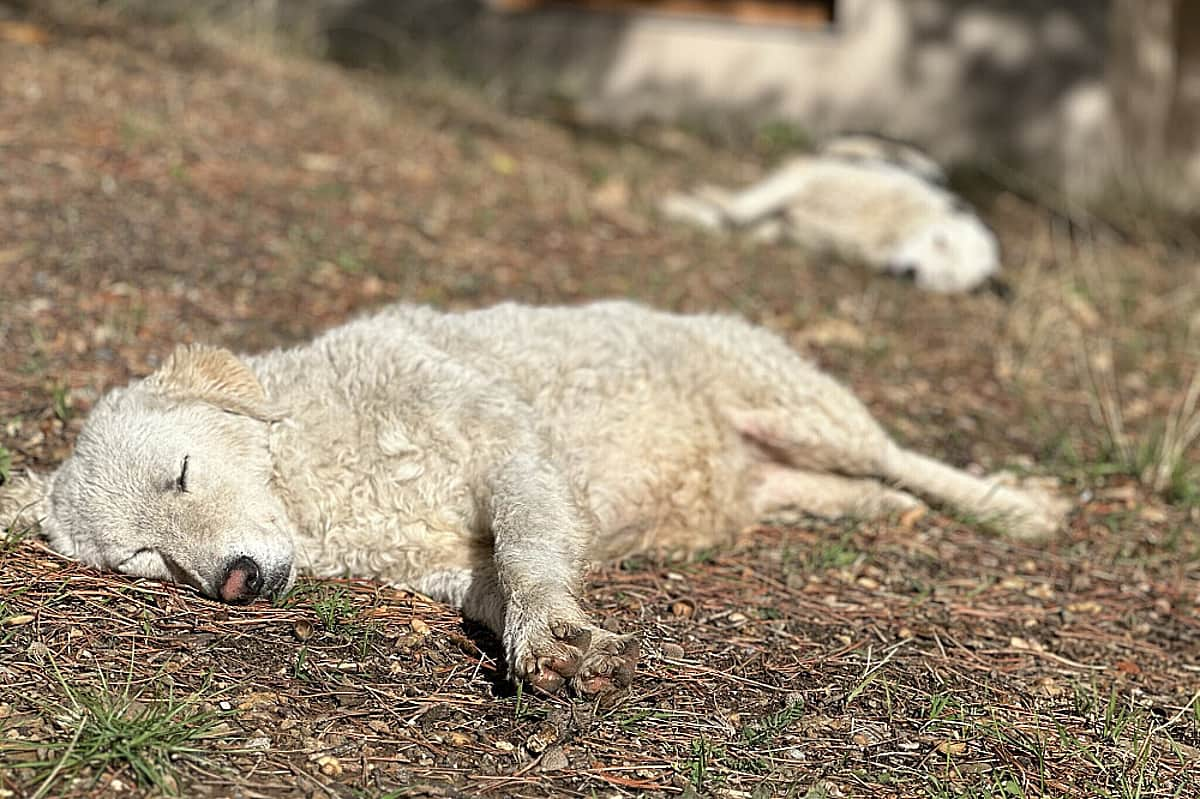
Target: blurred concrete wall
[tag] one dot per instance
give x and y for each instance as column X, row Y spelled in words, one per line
column 1022, row 82
column 1007, row 79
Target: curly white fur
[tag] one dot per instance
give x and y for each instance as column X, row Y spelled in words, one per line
column 483, row 458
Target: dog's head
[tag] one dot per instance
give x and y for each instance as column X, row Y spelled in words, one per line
column 954, row 253
column 171, row 479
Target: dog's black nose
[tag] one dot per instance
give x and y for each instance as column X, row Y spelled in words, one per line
column 242, row 582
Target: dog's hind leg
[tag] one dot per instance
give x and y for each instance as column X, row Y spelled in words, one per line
column 768, row 196
column 835, row 434
column 1020, row 512
column 827, row 495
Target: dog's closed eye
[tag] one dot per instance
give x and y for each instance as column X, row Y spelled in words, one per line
column 146, row 562
column 181, row 481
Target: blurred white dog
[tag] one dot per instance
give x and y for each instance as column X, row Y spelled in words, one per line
column 860, row 199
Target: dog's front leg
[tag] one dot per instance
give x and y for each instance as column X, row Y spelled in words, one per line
column 540, row 535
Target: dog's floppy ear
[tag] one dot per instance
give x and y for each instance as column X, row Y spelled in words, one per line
column 213, row 375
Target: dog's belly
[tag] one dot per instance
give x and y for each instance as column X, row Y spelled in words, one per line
column 662, row 471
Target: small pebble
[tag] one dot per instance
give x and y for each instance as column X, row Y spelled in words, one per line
column 951, row 747
column 672, row 651
column 555, row 759
column 303, row 630
column 542, row 737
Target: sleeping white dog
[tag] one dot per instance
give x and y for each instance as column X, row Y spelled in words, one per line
column 481, row 458
column 864, row 200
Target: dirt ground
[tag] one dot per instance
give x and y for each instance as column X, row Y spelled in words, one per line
column 162, row 184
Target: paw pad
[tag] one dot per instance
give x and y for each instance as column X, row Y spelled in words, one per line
column 594, row 662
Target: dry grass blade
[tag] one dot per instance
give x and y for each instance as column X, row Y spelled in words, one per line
column 1181, row 432
column 1095, row 363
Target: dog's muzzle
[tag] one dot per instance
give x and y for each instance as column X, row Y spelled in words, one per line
column 244, row 580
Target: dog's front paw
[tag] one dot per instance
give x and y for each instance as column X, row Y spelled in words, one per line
column 608, row 665
column 593, row 662
column 548, row 660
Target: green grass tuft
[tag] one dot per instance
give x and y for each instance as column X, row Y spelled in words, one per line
column 773, row 725
column 335, row 610
column 105, row 729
